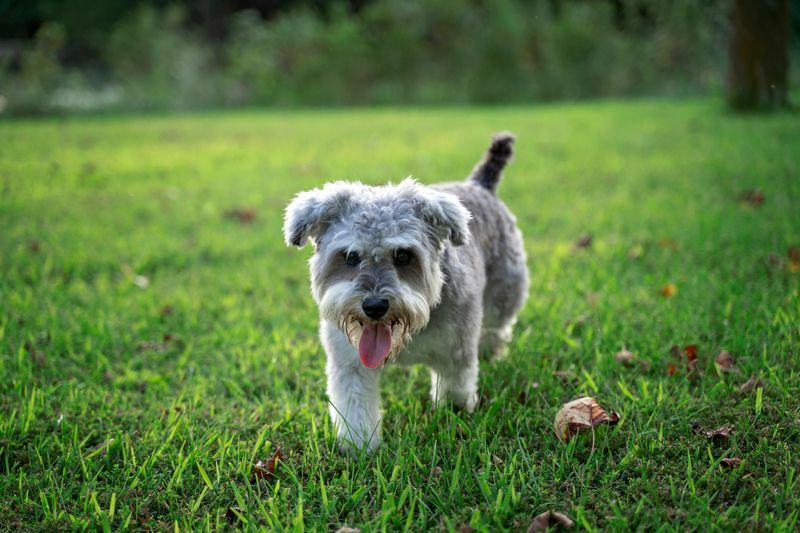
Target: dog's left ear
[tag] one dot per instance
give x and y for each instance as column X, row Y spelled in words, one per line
column 310, row 212
column 447, row 216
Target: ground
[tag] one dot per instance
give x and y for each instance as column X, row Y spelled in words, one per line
column 157, row 338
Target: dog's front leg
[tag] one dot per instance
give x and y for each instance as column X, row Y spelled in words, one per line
column 353, row 392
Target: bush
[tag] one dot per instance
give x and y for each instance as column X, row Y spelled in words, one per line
column 390, row 52
column 158, row 63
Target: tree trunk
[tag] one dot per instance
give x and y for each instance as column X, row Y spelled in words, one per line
column 758, row 76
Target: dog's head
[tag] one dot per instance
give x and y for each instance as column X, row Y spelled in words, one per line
column 376, row 265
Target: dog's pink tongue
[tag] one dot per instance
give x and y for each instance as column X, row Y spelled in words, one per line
column 375, row 343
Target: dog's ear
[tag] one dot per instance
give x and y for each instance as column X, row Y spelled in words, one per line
column 446, row 215
column 309, row 212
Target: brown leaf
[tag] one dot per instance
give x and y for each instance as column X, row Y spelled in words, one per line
column 794, row 259
column 688, row 358
column 565, row 376
column 750, row 384
column 243, row 216
column 548, row 518
column 668, row 290
column 496, row 461
column 720, row 433
column 583, row 242
column 725, row 362
column 636, row 251
column 466, row 528
column 730, row 462
column 34, row 246
column 266, row 469
column 625, row 358
column 752, row 198
column 583, row 413
column 668, row 243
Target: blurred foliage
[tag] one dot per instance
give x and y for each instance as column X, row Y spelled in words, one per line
column 385, row 52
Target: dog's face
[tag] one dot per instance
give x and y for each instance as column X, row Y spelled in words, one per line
column 376, row 265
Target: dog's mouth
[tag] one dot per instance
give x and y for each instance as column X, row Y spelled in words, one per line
column 376, row 340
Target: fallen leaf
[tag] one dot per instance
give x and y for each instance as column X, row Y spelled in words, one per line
column 565, row 376
column 496, row 461
column 141, row 281
column 688, row 358
column 671, row 369
column 668, row 243
column 720, row 433
column 266, row 469
column 583, row 413
column 725, row 362
column 34, row 247
column 750, row 384
column 583, row 242
column 348, row 529
column 730, row 462
column 437, row 471
column 625, row 357
column 243, row 216
column 752, row 198
column 466, row 528
column 794, row 259
column 668, row 290
column 548, row 518
column 636, row 251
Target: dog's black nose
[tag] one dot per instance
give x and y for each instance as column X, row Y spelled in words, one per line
column 375, row 307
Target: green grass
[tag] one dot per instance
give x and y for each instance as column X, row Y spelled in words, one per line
column 123, row 406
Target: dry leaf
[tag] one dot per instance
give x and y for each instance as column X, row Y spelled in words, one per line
column 671, row 369
column 266, row 469
column 750, row 384
column 34, row 247
column 794, row 259
column 583, row 413
column 348, row 529
column 141, row 281
column 548, row 518
column 720, row 434
column 466, row 528
column 668, row 290
column 566, row 377
column 725, row 362
column 752, row 198
column 668, row 243
column 636, row 251
column 583, row 242
column 243, row 216
column 625, row 358
column 730, row 462
column 496, row 461
column 687, row 356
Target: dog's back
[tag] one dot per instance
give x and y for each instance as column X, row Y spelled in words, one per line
column 493, row 230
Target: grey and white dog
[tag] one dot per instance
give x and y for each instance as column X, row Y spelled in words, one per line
column 410, row 274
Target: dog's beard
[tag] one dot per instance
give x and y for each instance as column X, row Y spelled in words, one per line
column 408, row 314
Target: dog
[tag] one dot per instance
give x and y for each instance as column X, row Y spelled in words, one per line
column 409, row 274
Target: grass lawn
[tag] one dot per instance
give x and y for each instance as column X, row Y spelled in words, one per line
column 157, row 338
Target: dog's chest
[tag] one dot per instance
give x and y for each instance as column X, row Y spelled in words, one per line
column 439, row 343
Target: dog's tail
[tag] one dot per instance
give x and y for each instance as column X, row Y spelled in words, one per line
column 488, row 171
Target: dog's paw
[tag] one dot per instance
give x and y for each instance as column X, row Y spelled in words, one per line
column 358, row 445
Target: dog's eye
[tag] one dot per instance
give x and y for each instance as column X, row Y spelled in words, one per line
column 402, row 257
column 352, row 258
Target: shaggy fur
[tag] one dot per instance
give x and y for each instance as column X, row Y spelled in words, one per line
column 456, row 298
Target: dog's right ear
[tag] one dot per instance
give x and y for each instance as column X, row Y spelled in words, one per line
column 309, row 212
